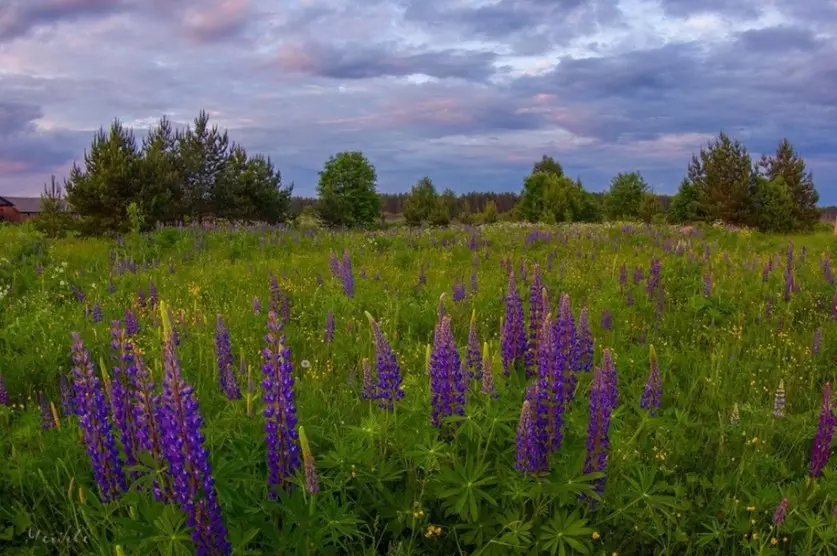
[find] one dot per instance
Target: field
(730, 317)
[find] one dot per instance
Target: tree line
(195, 173)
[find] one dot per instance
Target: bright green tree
(489, 213)
(420, 203)
(788, 165)
(625, 196)
(54, 220)
(774, 205)
(723, 174)
(347, 192)
(685, 205)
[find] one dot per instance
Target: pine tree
(54, 220)
(203, 153)
(722, 174)
(788, 165)
(161, 194)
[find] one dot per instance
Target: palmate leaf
(464, 487)
(566, 533)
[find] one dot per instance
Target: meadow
(723, 451)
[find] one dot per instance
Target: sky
(468, 92)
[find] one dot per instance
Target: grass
(690, 480)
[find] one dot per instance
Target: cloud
(470, 92)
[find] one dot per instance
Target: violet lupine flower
(459, 291)
(527, 453)
(111, 286)
(487, 372)
(564, 338)
(661, 298)
(188, 459)
(623, 275)
(582, 353)
(144, 407)
(602, 403)
(781, 512)
(4, 394)
(779, 401)
(257, 306)
(348, 277)
(653, 278)
(549, 393)
(226, 363)
(152, 294)
(474, 281)
(707, 285)
(606, 321)
(96, 313)
(312, 483)
(537, 306)
(825, 431)
(93, 411)
(47, 419)
(388, 389)
(80, 296)
(473, 357)
(448, 383)
(280, 410)
(122, 387)
(368, 391)
(638, 276)
(328, 334)
(653, 386)
(789, 274)
(826, 269)
(513, 341)
(817, 344)
(629, 298)
(141, 298)
(132, 326)
(334, 264)
(68, 406)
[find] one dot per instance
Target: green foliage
(135, 218)
(420, 203)
(774, 205)
(649, 207)
(685, 206)
(489, 213)
(722, 174)
(788, 165)
(548, 165)
(624, 199)
(54, 220)
(347, 194)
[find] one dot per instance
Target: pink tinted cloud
(207, 21)
(14, 167)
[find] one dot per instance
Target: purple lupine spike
(459, 292)
(564, 338)
(281, 435)
(602, 402)
(96, 313)
(122, 387)
(188, 459)
(623, 275)
(473, 357)
(4, 394)
(707, 285)
(153, 298)
(826, 269)
(368, 391)
(47, 419)
(582, 354)
(275, 299)
(825, 431)
(817, 344)
(629, 299)
(474, 284)
(661, 298)
(111, 285)
(141, 301)
(487, 371)
(257, 306)
(226, 363)
(144, 407)
(528, 457)
(334, 264)
(68, 406)
(348, 276)
(80, 296)
(537, 294)
(653, 386)
(639, 275)
(388, 389)
(513, 341)
(549, 393)
(789, 273)
(132, 325)
(781, 512)
(328, 334)
(93, 412)
(653, 278)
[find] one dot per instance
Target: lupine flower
(789, 274)
(638, 275)
(629, 298)
(96, 314)
(368, 391)
(537, 295)
(47, 419)
(93, 412)
(487, 373)
(459, 291)
(312, 483)
(549, 393)
(707, 285)
(111, 285)
(817, 344)
(826, 269)
(607, 320)
(328, 335)
(145, 406)
(141, 298)
(781, 512)
(152, 294)
(564, 338)
(513, 341)
(226, 367)
(4, 394)
(582, 354)
(257, 306)
(779, 400)
(447, 381)
(623, 275)
(528, 457)
(473, 281)
(132, 326)
(68, 406)
(473, 358)
(661, 297)
(188, 460)
(124, 381)
(653, 386)
(334, 264)
(348, 277)
(653, 278)
(602, 403)
(389, 373)
(78, 293)
(825, 431)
